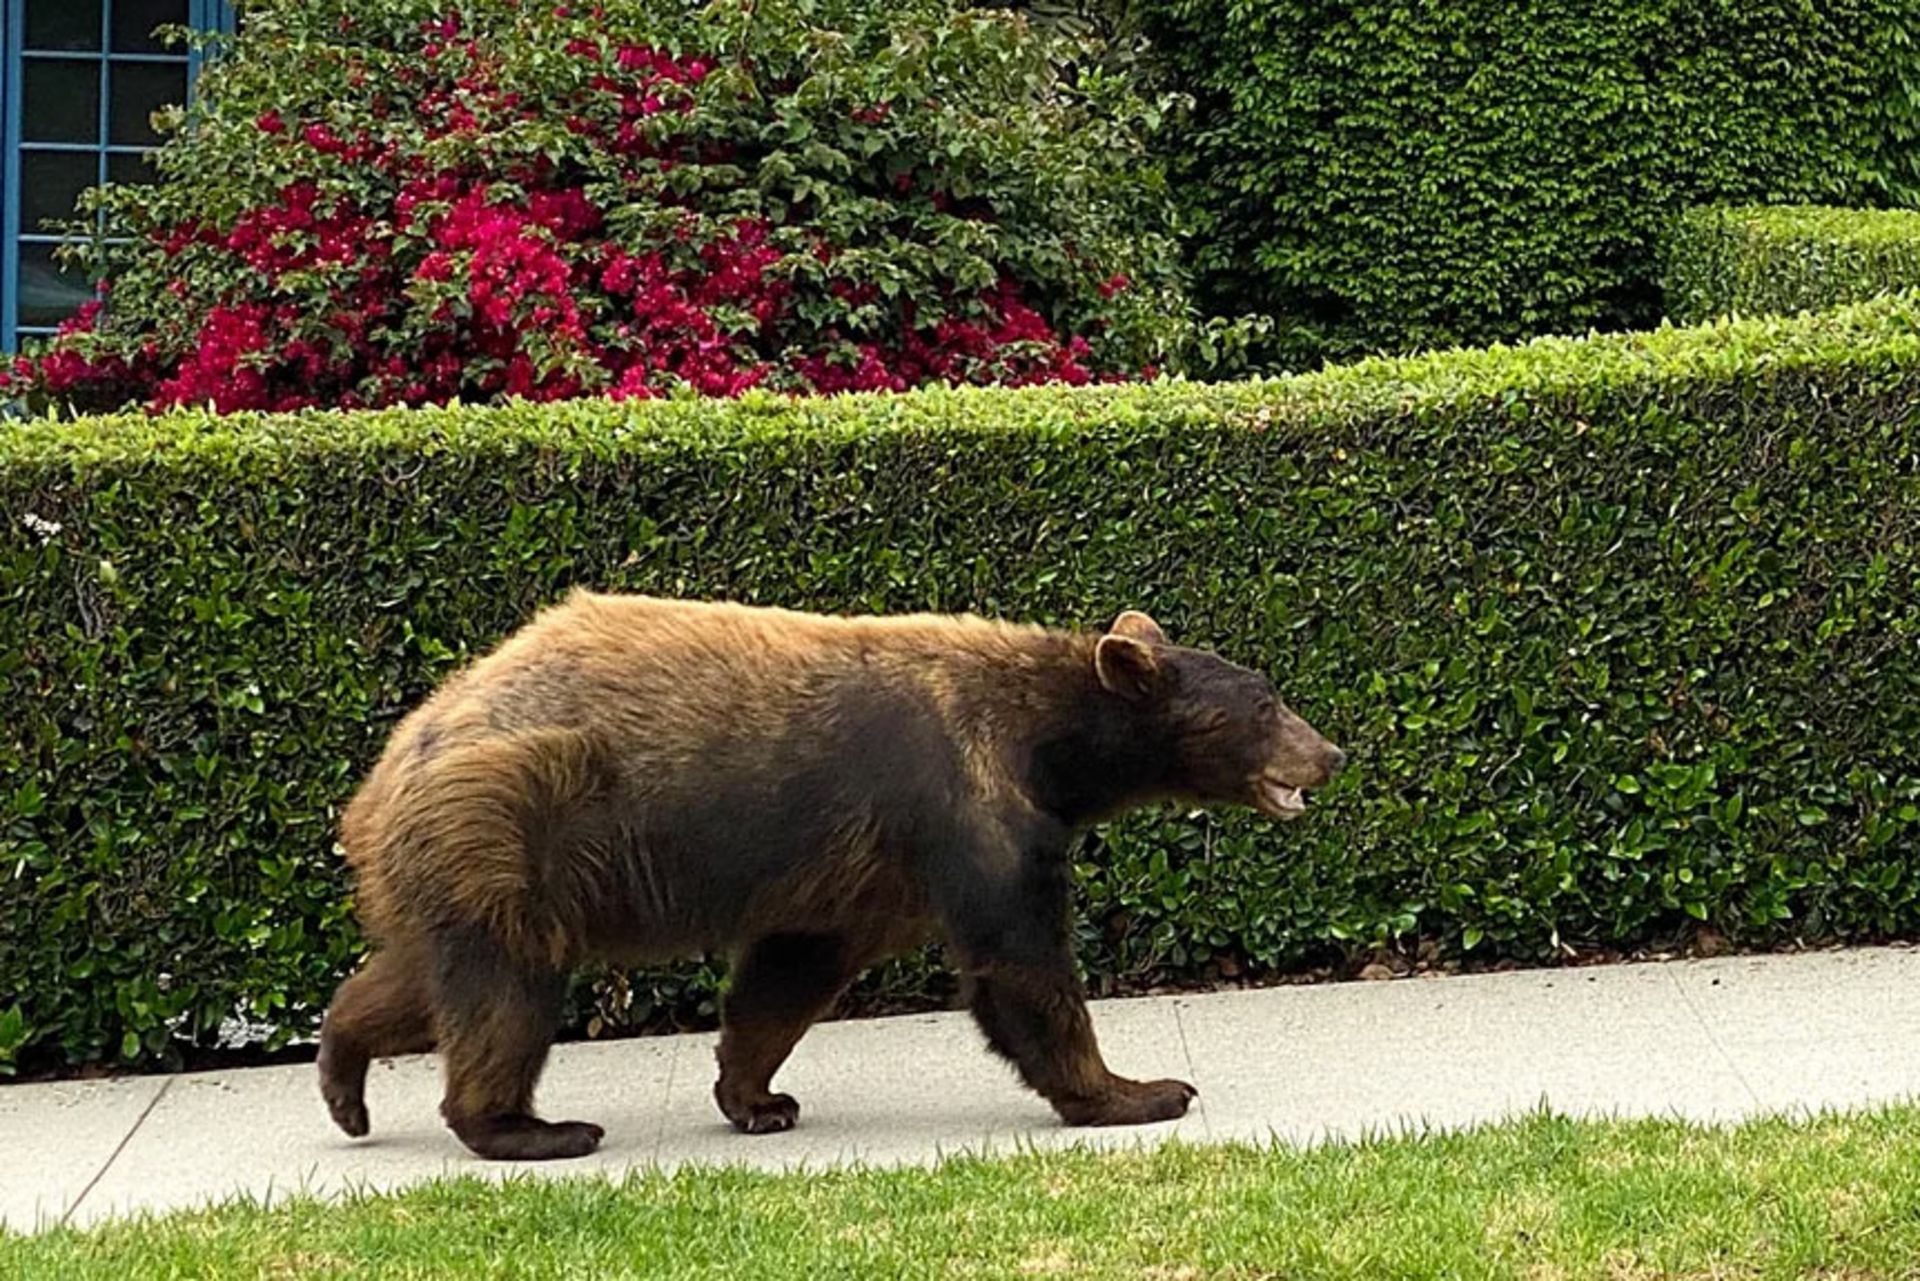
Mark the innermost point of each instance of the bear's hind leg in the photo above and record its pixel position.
(780, 986)
(496, 1018)
(380, 1011)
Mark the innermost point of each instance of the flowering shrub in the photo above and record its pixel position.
(400, 202)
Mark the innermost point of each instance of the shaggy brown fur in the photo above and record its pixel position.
(635, 779)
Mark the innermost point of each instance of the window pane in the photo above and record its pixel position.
(48, 295)
(63, 24)
(134, 21)
(130, 167)
(50, 181)
(60, 101)
(140, 88)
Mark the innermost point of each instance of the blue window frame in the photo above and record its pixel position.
(78, 83)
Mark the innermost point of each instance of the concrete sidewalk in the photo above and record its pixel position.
(1704, 1039)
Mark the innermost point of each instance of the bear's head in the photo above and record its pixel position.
(1228, 737)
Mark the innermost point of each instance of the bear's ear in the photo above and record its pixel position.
(1127, 667)
(1137, 626)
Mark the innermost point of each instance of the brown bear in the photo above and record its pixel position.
(632, 779)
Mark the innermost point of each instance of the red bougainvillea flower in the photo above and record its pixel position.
(549, 201)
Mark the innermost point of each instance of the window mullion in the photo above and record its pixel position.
(13, 13)
(106, 91)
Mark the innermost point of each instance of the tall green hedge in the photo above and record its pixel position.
(1621, 633)
(1385, 175)
(1773, 260)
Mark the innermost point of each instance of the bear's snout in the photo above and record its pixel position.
(1299, 761)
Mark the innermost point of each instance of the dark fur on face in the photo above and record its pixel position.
(1224, 735)
(633, 779)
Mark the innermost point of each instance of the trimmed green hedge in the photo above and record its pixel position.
(1622, 633)
(1381, 175)
(1774, 260)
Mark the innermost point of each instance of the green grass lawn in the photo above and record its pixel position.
(1541, 1198)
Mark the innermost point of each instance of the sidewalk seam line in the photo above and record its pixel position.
(1193, 1070)
(666, 1103)
(166, 1084)
(1713, 1038)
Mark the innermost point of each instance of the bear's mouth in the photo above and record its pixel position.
(1280, 800)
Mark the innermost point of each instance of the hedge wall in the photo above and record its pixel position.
(1759, 261)
(1622, 633)
(1384, 175)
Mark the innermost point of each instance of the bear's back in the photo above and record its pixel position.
(668, 686)
(698, 746)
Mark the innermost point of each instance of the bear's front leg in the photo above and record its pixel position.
(1004, 904)
(780, 985)
(1037, 1018)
